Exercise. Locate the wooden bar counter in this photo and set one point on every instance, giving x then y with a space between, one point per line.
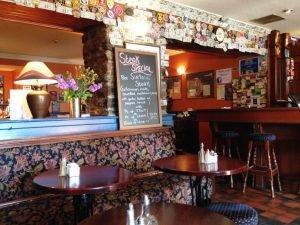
283 122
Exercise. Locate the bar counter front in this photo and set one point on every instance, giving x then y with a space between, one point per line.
283 122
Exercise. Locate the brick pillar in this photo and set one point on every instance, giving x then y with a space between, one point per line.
98 54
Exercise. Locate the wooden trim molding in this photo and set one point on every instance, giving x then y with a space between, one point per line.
266 115
78 137
40 17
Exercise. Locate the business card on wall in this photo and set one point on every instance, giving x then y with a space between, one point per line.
27 3
47 5
88 15
63 9
164 63
109 21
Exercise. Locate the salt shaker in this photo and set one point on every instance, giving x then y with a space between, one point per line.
148 219
63 168
130 215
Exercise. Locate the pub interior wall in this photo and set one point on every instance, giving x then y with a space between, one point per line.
197 62
10 76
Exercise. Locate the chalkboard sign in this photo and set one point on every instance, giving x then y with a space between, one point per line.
138 89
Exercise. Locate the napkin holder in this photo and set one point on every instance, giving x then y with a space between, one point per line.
211 157
207 156
73 170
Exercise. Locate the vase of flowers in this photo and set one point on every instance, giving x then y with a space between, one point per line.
78 87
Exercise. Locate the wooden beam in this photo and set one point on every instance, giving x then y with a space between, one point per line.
40 17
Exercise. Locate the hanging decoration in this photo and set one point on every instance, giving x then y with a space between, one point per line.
154 21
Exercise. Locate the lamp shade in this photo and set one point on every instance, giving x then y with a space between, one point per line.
35 74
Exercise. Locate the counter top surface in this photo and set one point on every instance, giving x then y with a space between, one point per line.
49 127
250 110
264 115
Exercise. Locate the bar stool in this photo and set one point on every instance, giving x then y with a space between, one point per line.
241 214
227 139
264 142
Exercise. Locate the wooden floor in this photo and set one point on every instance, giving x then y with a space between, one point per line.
284 209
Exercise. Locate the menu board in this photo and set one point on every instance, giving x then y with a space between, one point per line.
138 89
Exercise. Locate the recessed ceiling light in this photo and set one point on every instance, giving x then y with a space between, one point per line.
288 11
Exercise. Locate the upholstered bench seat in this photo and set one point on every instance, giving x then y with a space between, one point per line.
262 137
226 134
241 214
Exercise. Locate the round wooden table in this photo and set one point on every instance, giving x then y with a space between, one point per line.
166 214
188 165
92 179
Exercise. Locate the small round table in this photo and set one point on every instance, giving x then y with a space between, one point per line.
188 165
166 214
92 179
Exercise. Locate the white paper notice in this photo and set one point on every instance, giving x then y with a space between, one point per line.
206 90
224 76
221 92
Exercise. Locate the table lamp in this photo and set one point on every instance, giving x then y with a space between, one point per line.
36 75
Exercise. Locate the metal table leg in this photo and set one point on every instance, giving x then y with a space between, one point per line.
201 189
83 207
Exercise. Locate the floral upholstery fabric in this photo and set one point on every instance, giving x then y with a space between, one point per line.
18 167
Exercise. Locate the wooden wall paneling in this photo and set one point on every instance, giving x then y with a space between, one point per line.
274 52
78 137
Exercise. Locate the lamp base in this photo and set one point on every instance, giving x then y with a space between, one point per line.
39 102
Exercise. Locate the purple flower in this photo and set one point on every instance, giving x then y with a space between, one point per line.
62 84
73 85
95 87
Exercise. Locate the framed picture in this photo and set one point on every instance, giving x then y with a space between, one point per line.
174 87
201 85
249 66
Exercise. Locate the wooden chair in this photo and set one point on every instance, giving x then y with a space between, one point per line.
268 167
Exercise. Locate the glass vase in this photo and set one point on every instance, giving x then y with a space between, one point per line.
75 108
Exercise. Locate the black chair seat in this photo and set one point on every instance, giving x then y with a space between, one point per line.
262 137
226 134
241 214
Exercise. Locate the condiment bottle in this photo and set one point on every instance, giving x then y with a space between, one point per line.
148 219
130 215
63 168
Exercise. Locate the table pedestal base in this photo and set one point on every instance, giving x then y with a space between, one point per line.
83 207
201 189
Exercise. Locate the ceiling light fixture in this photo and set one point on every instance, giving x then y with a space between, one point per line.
288 11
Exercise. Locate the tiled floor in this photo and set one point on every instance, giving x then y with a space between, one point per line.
284 209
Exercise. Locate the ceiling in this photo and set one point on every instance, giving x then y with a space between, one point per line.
247 10
29 42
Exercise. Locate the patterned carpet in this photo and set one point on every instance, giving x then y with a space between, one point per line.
283 210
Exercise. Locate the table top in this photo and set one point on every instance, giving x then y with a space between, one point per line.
188 165
92 179
166 214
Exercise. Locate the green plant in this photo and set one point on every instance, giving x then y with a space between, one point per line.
82 85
